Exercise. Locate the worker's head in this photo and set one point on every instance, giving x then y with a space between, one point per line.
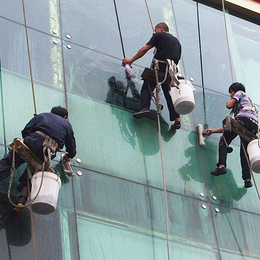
161 27
60 111
236 87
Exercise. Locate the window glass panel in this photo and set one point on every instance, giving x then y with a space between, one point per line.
43 15
138 208
103 239
187 25
46 59
215 58
12 10
210 108
135 32
245 59
13 56
129 148
241 232
45 54
92 24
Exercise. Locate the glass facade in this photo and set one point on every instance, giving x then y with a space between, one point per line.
116 208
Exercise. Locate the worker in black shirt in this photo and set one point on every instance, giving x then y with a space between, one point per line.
167 47
52 124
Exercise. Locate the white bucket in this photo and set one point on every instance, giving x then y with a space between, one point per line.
254 155
183 98
45 202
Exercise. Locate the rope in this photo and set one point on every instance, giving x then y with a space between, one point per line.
162 161
120 33
30 201
158 105
248 162
228 45
32 221
150 18
201 68
11 181
29 57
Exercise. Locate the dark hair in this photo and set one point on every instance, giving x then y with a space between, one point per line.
164 26
60 111
236 87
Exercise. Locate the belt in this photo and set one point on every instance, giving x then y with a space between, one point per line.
162 61
253 120
41 133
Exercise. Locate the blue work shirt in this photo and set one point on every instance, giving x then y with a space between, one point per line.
56 127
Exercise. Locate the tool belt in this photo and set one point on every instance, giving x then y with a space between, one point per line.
169 76
240 130
49 148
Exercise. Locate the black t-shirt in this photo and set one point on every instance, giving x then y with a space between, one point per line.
168 46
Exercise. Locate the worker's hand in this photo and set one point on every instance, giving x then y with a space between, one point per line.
66 158
207 132
126 61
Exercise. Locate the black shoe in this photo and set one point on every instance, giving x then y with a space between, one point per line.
143 112
219 171
248 184
176 125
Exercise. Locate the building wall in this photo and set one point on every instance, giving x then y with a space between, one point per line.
116 208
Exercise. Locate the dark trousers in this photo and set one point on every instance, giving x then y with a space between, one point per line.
147 88
229 136
34 142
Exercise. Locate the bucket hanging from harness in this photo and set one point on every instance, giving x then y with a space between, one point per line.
182 97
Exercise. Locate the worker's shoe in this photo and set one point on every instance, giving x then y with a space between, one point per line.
143 112
248 184
21 200
176 125
219 171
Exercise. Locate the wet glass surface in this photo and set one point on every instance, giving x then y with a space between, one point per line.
114 206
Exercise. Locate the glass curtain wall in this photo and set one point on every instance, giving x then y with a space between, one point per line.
114 207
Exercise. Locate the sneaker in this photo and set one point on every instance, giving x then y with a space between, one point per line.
176 125
248 184
219 171
143 112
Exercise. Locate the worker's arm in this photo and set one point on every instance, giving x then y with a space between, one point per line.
138 55
231 103
208 132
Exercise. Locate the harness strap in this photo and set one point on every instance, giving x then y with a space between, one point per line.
240 130
49 149
173 73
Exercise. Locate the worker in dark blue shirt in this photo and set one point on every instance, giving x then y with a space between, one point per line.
53 125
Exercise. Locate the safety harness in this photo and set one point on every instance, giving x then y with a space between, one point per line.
49 148
154 74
